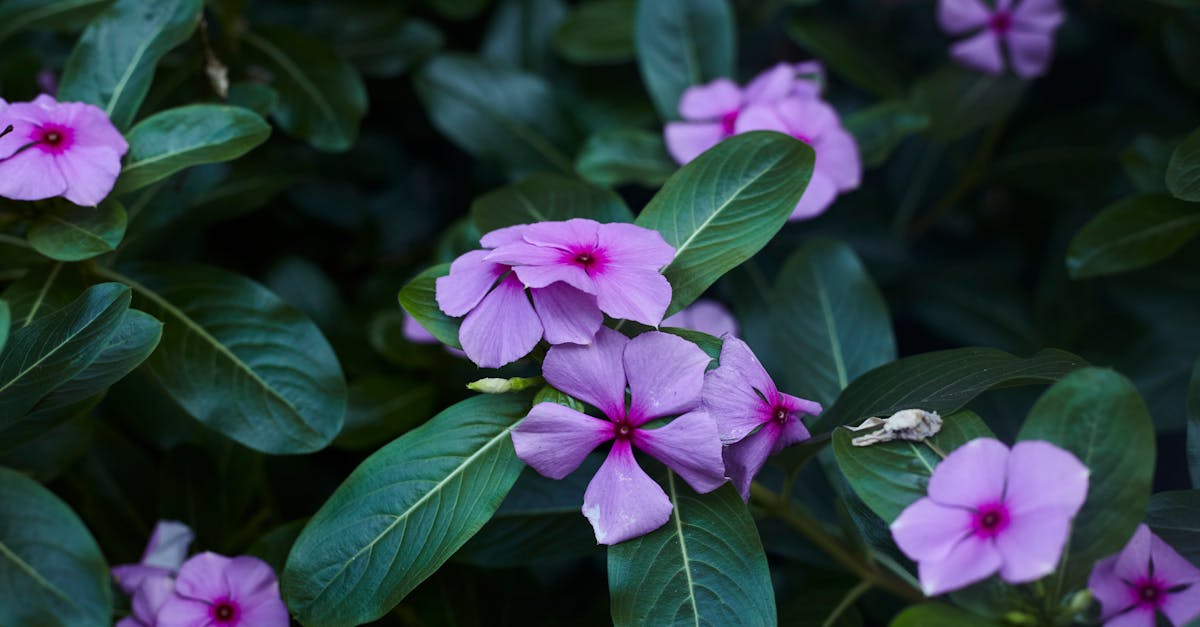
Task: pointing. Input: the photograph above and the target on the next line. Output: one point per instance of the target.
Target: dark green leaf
(68, 232)
(274, 546)
(51, 570)
(179, 138)
(1193, 425)
(257, 97)
(705, 566)
(889, 476)
(1181, 41)
(403, 512)
(681, 43)
(18, 15)
(50, 454)
(941, 381)
(849, 54)
(419, 299)
(322, 99)
(381, 408)
(384, 42)
(1183, 171)
(241, 361)
(882, 127)
(5, 323)
(617, 156)
(597, 32)
(520, 33)
(723, 207)
(501, 115)
(939, 615)
(42, 291)
(1175, 517)
(1145, 162)
(547, 197)
(960, 101)
(1132, 233)
(113, 63)
(1099, 416)
(458, 9)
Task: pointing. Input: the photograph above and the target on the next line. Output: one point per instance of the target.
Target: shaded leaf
(547, 197)
(681, 43)
(521, 32)
(960, 101)
(847, 53)
(597, 32)
(939, 615)
(68, 232)
(1132, 233)
(19, 15)
(419, 298)
(1193, 425)
(1175, 517)
(5, 323)
(381, 408)
(617, 156)
(1183, 171)
(880, 129)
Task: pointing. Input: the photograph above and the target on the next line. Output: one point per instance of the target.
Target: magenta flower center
(1000, 22)
(622, 430)
(729, 121)
(224, 611)
(1149, 593)
(780, 414)
(53, 138)
(590, 259)
(990, 520)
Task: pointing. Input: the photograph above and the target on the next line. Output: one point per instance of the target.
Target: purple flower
(417, 334)
(665, 375)
(1146, 577)
(164, 553)
(68, 149)
(705, 316)
(991, 509)
(148, 599)
(574, 271)
(1027, 31)
(217, 591)
(754, 419)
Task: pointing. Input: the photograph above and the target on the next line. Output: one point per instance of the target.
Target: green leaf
(831, 323)
(681, 43)
(597, 32)
(960, 101)
(51, 570)
(381, 408)
(1145, 161)
(1175, 517)
(705, 566)
(1180, 42)
(274, 546)
(616, 156)
(1193, 425)
(384, 42)
(179, 138)
(5, 324)
(939, 615)
(58, 347)
(240, 360)
(322, 99)
(547, 197)
(723, 207)
(520, 34)
(458, 9)
(849, 54)
(257, 97)
(1099, 416)
(1132, 233)
(880, 129)
(403, 512)
(941, 381)
(889, 476)
(113, 63)
(17, 16)
(501, 115)
(1183, 171)
(419, 298)
(68, 232)
(42, 291)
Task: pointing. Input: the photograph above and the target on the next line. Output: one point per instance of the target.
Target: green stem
(847, 601)
(934, 448)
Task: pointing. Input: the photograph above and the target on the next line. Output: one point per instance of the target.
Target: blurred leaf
(17, 16)
(458, 9)
(1181, 41)
(1183, 171)
(42, 291)
(57, 347)
(273, 547)
(680, 43)
(403, 512)
(419, 298)
(51, 570)
(705, 566)
(597, 32)
(240, 360)
(1175, 517)
(520, 34)
(5, 324)
(1131, 233)
(1098, 416)
(939, 615)
(880, 129)
(941, 381)
(322, 99)
(68, 232)
(179, 138)
(1145, 162)
(500, 115)
(617, 156)
(383, 41)
(382, 408)
(257, 97)
(114, 62)
(960, 101)
(855, 58)
(889, 476)
(50, 454)
(547, 197)
(723, 207)
(303, 285)
(1193, 426)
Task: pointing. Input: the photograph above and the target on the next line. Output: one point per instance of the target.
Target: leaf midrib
(143, 163)
(1125, 240)
(835, 342)
(33, 574)
(687, 562)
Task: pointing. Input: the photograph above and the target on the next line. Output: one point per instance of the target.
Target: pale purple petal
(774, 83)
(808, 119)
(130, 621)
(538, 266)
(960, 16)
(810, 76)
(1107, 587)
(502, 236)
(470, 279)
(622, 501)
(665, 374)
(688, 140)
(90, 173)
(593, 374)
(553, 439)
(502, 328)
(801, 406)
(744, 458)
(633, 294)
(1033, 542)
(819, 194)
(131, 576)
(729, 392)
(705, 316)
(972, 475)
(928, 531)
(1170, 566)
(633, 246)
(1037, 15)
(838, 158)
(254, 588)
(1134, 560)
(566, 235)
(568, 315)
(762, 117)
(688, 445)
(150, 597)
(183, 612)
(980, 52)
(415, 333)
(972, 559)
(710, 101)
(168, 545)
(791, 432)
(30, 175)
(544, 275)
(1030, 52)
(202, 577)
(91, 127)
(1184, 606)
(1029, 463)
(1137, 617)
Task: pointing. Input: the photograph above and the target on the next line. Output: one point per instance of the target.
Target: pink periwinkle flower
(993, 509)
(164, 553)
(754, 419)
(68, 149)
(1145, 578)
(705, 316)
(148, 599)
(1026, 30)
(665, 376)
(217, 591)
(575, 271)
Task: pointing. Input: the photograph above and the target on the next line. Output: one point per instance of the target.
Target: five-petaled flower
(754, 419)
(217, 591)
(1145, 578)
(1027, 31)
(665, 375)
(993, 509)
(68, 149)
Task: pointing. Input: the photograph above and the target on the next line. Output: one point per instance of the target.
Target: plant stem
(847, 601)
(934, 448)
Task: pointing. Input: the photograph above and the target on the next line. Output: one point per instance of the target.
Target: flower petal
(980, 52)
(705, 316)
(1184, 606)
(202, 577)
(808, 118)
(634, 294)
(1170, 566)
(1037, 16)
(666, 376)
(743, 459)
(761, 117)
(633, 246)
(928, 531)
(168, 545)
(150, 597)
(838, 158)
(593, 374)
(502, 328)
(31, 175)
(792, 432)
(90, 172)
(502, 236)
(131, 576)
(688, 445)
(688, 140)
(775, 83)
(554, 439)
(971, 475)
(622, 501)
(711, 100)
(1136, 617)
(470, 279)
(91, 127)
(1029, 464)
(181, 612)
(568, 315)
(971, 560)
(256, 592)
(1107, 587)
(1031, 52)
(730, 394)
(1133, 561)
(1032, 543)
(564, 235)
(819, 194)
(959, 16)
